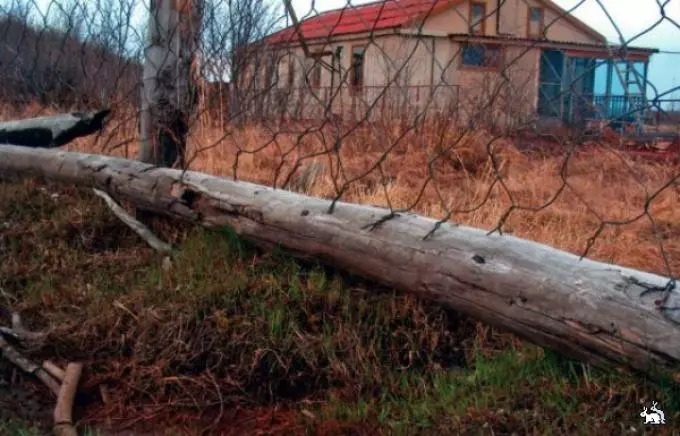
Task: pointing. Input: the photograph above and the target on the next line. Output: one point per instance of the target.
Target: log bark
(596, 312)
(51, 131)
(170, 91)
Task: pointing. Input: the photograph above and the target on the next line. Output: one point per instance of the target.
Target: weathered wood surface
(170, 90)
(52, 131)
(63, 411)
(585, 309)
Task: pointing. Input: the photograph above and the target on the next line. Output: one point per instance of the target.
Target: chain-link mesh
(513, 115)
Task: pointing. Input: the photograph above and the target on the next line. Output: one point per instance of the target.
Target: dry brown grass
(440, 171)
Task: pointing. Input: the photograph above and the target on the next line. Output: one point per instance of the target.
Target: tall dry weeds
(560, 198)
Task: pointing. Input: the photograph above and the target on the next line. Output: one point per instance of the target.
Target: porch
(579, 87)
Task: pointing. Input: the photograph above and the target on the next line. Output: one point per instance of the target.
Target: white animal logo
(659, 412)
(651, 418)
(656, 417)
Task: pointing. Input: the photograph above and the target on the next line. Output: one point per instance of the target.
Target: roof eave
(538, 43)
(337, 37)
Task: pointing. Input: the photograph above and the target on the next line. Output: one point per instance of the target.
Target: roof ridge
(361, 6)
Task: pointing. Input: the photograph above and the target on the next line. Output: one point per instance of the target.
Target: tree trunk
(593, 311)
(170, 88)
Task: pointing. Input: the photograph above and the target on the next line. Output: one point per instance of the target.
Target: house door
(579, 86)
(550, 101)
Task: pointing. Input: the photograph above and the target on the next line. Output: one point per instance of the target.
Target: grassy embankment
(242, 339)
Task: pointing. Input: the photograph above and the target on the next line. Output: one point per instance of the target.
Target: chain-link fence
(510, 115)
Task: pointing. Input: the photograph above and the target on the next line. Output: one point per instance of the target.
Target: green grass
(508, 392)
(13, 427)
(258, 331)
(17, 428)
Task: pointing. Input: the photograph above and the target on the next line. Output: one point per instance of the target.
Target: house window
(291, 72)
(281, 72)
(357, 70)
(535, 23)
(477, 17)
(487, 56)
(314, 73)
(269, 72)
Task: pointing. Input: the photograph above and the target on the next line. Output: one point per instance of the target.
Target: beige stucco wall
(512, 20)
(455, 20)
(421, 72)
(560, 29)
(398, 60)
(431, 71)
(518, 83)
(514, 15)
(408, 57)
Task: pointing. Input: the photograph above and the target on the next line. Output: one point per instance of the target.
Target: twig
(53, 370)
(104, 392)
(26, 365)
(120, 305)
(21, 333)
(63, 419)
(134, 224)
(7, 296)
(217, 420)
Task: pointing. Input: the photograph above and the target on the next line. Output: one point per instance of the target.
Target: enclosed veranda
(577, 87)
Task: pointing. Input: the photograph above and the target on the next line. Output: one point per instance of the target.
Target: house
(508, 60)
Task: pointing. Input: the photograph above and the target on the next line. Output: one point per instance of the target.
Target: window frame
(352, 75)
(497, 47)
(269, 71)
(290, 79)
(482, 20)
(541, 24)
(315, 71)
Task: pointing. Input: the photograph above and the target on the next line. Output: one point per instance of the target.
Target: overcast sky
(632, 17)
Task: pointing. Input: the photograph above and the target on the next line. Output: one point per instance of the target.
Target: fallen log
(51, 131)
(600, 313)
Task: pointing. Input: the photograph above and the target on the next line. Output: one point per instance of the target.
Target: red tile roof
(388, 14)
(380, 15)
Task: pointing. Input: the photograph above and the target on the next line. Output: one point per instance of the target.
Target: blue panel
(473, 55)
(600, 85)
(550, 86)
(551, 66)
